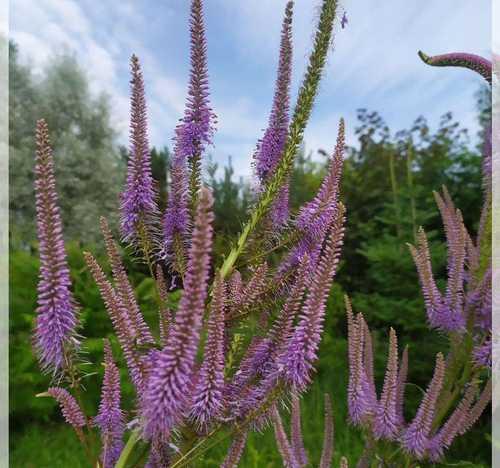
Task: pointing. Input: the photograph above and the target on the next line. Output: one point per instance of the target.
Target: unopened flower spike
(70, 408)
(297, 439)
(328, 435)
(57, 320)
(139, 211)
(284, 446)
(170, 380)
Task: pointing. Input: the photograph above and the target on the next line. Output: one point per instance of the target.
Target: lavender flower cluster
(195, 380)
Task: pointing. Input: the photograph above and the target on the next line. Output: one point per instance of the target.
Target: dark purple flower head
(482, 352)
(344, 20)
(270, 147)
(110, 418)
(138, 201)
(57, 311)
(169, 385)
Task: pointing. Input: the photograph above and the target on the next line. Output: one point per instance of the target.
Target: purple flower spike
(139, 327)
(328, 438)
(70, 408)
(416, 437)
(284, 447)
(207, 396)
(296, 432)
(170, 380)
(482, 352)
(110, 418)
(402, 376)
(386, 416)
(197, 127)
(176, 221)
(270, 147)
(315, 217)
(138, 201)
(299, 358)
(235, 451)
(460, 59)
(57, 311)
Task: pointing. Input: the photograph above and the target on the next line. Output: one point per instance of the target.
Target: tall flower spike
(270, 147)
(315, 217)
(368, 362)
(328, 437)
(416, 436)
(296, 432)
(432, 296)
(70, 408)
(170, 379)
(284, 447)
(125, 290)
(445, 436)
(460, 59)
(235, 451)
(207, 396)
(57, 320)
(138, 201)
(196, 128)
(110, 418)
(299, 358)
(478, 408)
(121, 323)
(176, 221)
(386, 416)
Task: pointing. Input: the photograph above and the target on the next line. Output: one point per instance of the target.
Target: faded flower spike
(138, 202)
(54, 334)
(170, 380)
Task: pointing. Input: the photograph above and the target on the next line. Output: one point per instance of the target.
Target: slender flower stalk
(235, 451)
(270, 147)
(386, 416)
(207, 398)
(296, 432)
(121, 323)
(284, 446)
(169, 384)
(328, 437)
(298, 360)
(56, 322)
(417, 436)
(124, 289)
(197, 126)
(138, 201)
(110, 419)
(164, 313)
(71, 410)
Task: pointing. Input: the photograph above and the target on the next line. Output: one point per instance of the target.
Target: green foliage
(89, 170)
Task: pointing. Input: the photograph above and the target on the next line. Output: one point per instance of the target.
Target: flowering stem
(301, 116)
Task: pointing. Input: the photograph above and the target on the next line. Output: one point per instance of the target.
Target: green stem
(127, 450)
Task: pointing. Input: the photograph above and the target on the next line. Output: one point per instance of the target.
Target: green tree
(89, 170)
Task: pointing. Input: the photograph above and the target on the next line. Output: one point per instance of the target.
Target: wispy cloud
(373, 64)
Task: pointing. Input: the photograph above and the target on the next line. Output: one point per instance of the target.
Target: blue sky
(373, 63)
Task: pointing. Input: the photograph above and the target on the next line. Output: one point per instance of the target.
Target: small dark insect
(344, 21)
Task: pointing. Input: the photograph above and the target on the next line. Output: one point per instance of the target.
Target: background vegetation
(387, 188)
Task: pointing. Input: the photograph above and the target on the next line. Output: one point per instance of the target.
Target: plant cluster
(243, 340)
